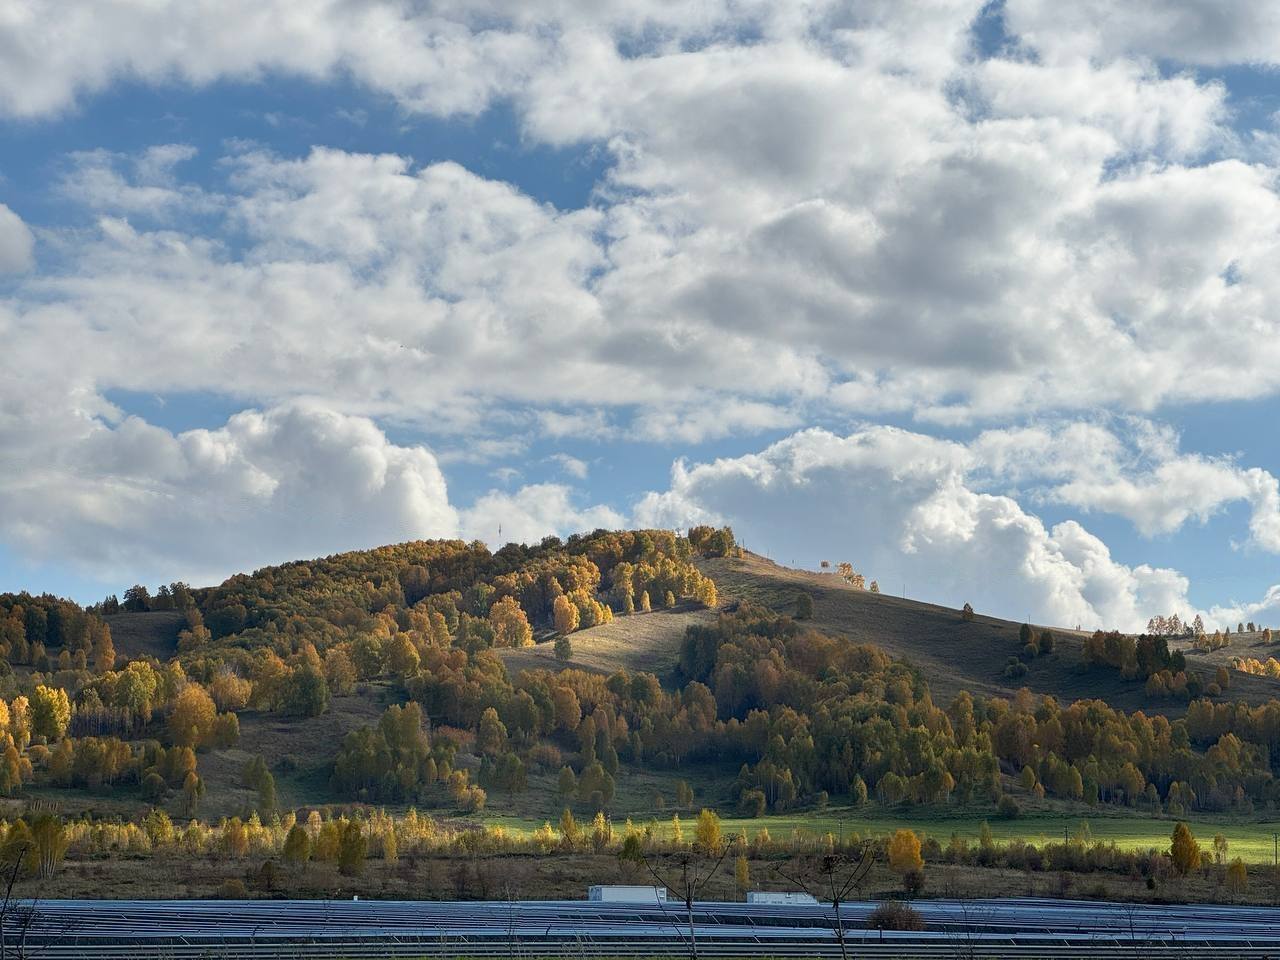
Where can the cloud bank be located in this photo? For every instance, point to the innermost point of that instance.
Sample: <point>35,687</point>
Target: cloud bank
<point>821,213</point>
<point>912,511</point>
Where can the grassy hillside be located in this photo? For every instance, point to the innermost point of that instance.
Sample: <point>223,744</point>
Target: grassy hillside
<point>954,655</point>
<point>153,633</point>
<point>300,752</point>
<point>645,641</point>
<point>1250,645</point>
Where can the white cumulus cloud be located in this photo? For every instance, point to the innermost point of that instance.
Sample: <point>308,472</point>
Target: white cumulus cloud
<point>1133,469</point>
<point>17,245</point>
<point>1211,32</point>
<point>124,500</point>
<point>900,506</point>
<point>533,512</point>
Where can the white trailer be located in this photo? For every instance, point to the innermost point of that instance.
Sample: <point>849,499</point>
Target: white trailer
<point>627,894</point>
<point>777,897</point>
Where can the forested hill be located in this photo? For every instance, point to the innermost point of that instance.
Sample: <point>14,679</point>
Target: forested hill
<point>327,599</point>
<point>136,690</point>
<point>600,672</point>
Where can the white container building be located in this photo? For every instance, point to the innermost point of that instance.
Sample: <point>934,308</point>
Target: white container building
<point>777,897</point>
<point>627,894</point>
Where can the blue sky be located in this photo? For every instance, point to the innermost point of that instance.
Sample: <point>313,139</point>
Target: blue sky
<point>978,296</point>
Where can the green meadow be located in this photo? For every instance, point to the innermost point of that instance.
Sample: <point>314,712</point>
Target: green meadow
<point>1250,839</point>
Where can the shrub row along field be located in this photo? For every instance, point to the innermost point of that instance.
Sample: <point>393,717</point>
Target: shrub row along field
<point>1253,841</point>
<point>419,856</point>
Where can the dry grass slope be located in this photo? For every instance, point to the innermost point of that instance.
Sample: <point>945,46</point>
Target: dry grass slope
<point>153,634</point>
<point>951,654</point>
<point>642,642</point>
<point>299,751</point>
<point>1249,645</point>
